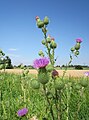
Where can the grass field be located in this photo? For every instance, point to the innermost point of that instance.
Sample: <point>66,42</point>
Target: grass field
<point>16,92</point>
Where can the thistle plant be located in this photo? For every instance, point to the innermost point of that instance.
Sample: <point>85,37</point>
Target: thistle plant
<point>52,84</point>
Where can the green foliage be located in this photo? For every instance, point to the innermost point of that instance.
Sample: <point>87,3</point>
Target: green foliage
<point>16,92</point>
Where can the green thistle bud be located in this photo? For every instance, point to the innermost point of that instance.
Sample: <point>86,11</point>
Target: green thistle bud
<point>35,84</point>
<point>73,49</point>
<point>46,20</point>
<point>40,24</point>
<point>48,39</point>
<point>49,68</point>
<point>41,53</point>
<point>43,42</point>
<point>43,78</point>
<point>77,46</point>
<point>53,45</point>
<point>77,52</point>
<point>59,85</point>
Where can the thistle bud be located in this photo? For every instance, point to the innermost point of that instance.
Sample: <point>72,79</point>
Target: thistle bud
<point>37,18</point>
<point>35,84</point>
<point>43,78</point>
<point>53,45</point>
<point>48,39</point>
<point>77,52</point>
<point>73,49</point>
<point>46,20</point>
<point>49,67</point>
<point>59,85</point>
<point>77,46</point>
<point>41,53</point>
<point>40,24</point>
<point>43,42</point>
<point>54,74</point>
<point>52,39</point>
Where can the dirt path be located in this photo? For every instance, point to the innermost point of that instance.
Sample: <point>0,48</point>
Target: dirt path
<point>74,73</point>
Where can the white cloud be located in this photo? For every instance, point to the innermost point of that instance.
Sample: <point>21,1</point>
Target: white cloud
<point>12,49</point>
<point>13,55</point>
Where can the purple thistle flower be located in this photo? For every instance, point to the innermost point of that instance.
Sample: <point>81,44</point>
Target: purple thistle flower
<point>78,40</point>
<point>40,63</point>
<point>22,112</point>
<point>86,74</point>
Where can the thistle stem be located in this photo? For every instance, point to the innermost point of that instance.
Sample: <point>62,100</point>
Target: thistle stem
<point>48,49</point>
<point>50,106</point>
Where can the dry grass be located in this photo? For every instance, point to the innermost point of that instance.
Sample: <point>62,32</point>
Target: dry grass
<point>72,73</point>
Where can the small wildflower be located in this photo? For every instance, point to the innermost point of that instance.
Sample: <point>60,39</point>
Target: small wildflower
<point>86,74</point>
<point>41,63</point>
<point>78,40</point>
<point>22,112</point>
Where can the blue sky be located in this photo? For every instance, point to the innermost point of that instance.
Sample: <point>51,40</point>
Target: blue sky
<point>21,39</point>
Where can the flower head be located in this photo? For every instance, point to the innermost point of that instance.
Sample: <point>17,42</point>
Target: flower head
<point>78,40</point>
<point>22,112</point>
<point>54,73</point>
<point>40,63</point>
<point>37,17</point>
<point>86,74</point>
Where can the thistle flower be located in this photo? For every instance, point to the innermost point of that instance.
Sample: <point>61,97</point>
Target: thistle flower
<point>41,63</point>
<point>78,40</point>
<point>22,112</point>
<point>54,73</point>
<point>86,74</point>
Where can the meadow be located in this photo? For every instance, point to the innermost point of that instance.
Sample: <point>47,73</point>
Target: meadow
<point>16,92</point>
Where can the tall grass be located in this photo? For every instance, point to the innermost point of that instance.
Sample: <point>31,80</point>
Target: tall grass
<point>16,93</point>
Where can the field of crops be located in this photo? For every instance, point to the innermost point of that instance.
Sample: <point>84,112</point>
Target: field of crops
<point>72,73</point>
<point>16,92</point>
